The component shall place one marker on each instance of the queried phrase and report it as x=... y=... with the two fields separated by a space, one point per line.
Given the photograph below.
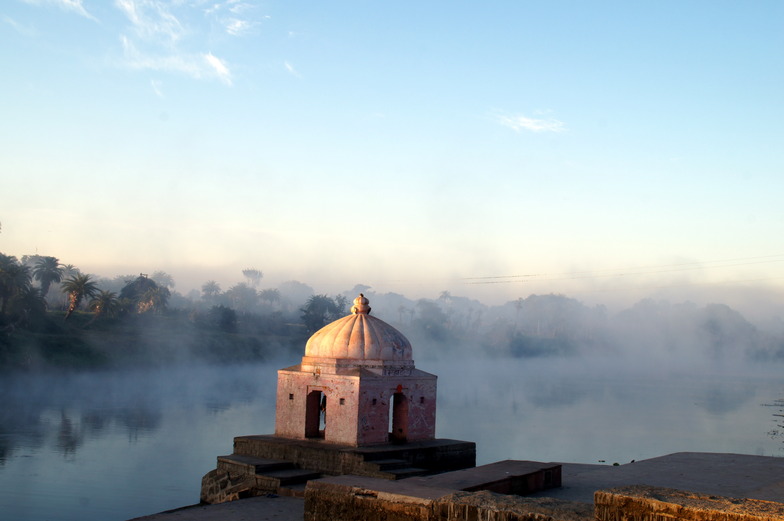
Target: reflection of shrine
x=356 y=385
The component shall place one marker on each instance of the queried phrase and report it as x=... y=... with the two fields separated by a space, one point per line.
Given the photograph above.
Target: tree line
x=38 y=292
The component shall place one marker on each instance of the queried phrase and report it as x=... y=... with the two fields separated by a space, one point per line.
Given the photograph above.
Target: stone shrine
x=356 y=404
x=358 y=374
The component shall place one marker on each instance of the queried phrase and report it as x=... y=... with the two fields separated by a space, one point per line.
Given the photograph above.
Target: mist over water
x=118 y=444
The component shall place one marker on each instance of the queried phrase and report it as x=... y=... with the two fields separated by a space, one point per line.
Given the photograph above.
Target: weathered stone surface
x=336 y=501
x=219 y=487
x=351 y=498
x=489 y=506
x=645 y=503
x=432 y=455
x=504 y=477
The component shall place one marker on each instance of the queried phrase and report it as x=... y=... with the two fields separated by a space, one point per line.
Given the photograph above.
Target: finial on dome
x=360 y=306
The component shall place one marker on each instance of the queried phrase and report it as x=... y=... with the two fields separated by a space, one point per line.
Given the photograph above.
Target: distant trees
x=105 y=303
x=14 y=278
x=253 y=275
x=162 y=279
x=242 y=296
x=20 y=302
x=210 y=290
x=143 y=294
x=320 y=310
x=431 y=320
x=271 y=296
x=77 y=288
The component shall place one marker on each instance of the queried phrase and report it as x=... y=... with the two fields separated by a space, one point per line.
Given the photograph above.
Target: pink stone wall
x=358 y=408
x=341 y=412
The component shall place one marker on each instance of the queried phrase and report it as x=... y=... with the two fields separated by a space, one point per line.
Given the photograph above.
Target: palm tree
x=14 y=278
x=144 y=294
x=78 y=287
x=27 y=305
x=46 y=271
x=210 y=289
x=270 y=295
x=253 y=275
x=104 y=303
x=162 y=279
x=153 y=299
x=242 y=297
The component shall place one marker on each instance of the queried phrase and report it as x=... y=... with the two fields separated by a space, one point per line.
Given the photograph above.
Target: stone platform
x=711 y=486
x=263 y=464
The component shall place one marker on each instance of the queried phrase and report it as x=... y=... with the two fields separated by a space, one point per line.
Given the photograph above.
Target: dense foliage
x=55 y=315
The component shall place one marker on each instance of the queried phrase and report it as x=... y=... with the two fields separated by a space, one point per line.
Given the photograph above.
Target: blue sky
x=572 y=147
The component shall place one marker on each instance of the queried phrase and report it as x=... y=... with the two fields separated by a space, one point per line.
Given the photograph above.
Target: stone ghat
x=267 y=464
x=353 y=499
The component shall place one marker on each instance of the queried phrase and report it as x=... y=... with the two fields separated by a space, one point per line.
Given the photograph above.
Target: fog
x=545 y=377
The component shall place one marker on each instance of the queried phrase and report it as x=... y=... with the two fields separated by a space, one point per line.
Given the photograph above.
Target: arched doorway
x=315 y=414
x=398 y=418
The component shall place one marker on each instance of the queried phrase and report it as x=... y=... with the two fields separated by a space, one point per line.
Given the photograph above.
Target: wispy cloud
x=156 y=87
x=74 y=6
x=152 y=20
x=519 y=122
x=237 y=27
x=234 y=15
x=219 y=67
x=289 y=67
x=158 y=39
x=194 y=65
x=21 y=29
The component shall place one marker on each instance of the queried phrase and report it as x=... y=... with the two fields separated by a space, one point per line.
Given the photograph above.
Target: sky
x=596 y=149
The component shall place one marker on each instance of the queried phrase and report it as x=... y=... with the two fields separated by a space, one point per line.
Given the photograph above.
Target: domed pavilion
x=356 y=385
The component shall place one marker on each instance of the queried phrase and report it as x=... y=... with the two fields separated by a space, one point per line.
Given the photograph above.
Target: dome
x=359 y=337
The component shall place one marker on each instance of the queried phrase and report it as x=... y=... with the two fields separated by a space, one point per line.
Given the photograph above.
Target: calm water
x=112 y=446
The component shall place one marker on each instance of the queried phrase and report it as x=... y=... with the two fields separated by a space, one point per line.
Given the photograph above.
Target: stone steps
x=274 y=476
x=243 y=464
x=295 y=490
x=287 y=477
x=387 y=464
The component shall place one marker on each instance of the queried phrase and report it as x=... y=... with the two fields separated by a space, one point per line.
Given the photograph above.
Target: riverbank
x=725 y=475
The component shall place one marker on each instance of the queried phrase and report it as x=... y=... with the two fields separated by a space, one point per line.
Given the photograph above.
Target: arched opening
x=398 y=418
x=315 y=414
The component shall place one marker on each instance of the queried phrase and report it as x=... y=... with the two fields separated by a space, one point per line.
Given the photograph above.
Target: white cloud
x=231 y=14
x=21 y=29
x=194 y=65
x=291 y=69
x=151 y=19
x=236 y=27
x=520 y=122
x=219 y=67
x=74 y=6
x=156 y=87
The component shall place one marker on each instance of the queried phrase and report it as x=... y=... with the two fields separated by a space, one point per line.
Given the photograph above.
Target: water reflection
x=63 y=411
x=73 y=434
x=776 y=431
x=727 y=398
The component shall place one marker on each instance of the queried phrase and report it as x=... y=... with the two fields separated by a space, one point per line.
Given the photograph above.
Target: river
x=111 y=446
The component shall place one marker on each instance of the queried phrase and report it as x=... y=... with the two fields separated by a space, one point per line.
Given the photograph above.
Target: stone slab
x=731 y=475
x=272 y=508
x=485 y=476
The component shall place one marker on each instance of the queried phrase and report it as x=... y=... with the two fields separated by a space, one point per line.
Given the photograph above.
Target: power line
x=622 y=272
